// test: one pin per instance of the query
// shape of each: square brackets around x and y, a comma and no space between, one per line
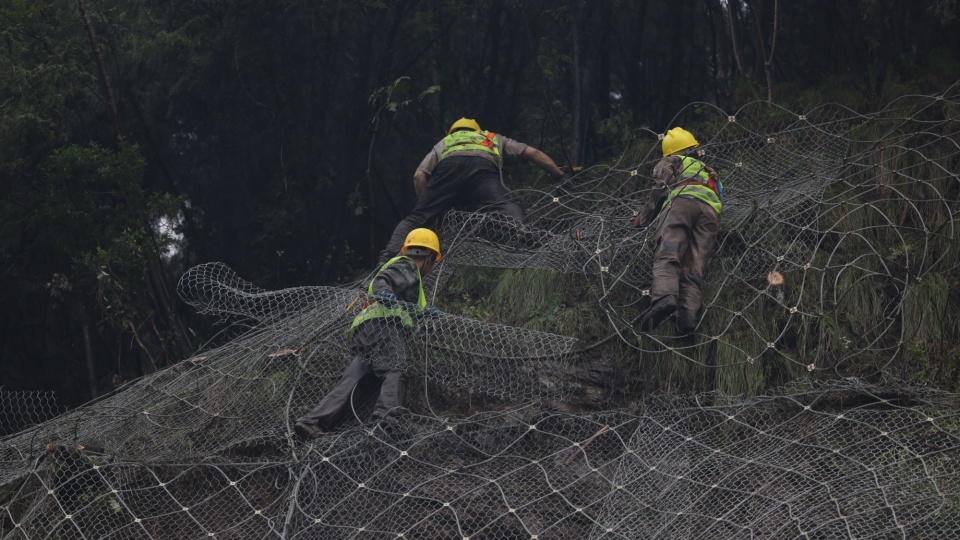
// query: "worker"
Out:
[465,169]
[378,335]
[686,197]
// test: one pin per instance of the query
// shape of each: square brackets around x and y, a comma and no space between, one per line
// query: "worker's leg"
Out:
[389,363]
[705,226]
[486,192]
[442,192]
[393,391]
[329,412]
[504,223]
[672,241]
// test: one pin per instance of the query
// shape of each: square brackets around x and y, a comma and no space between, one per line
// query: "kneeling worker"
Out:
[379,335]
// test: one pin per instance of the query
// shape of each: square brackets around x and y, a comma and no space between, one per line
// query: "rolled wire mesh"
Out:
[20,409]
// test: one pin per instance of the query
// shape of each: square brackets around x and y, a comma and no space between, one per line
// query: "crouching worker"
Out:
[378,335]
[686,198]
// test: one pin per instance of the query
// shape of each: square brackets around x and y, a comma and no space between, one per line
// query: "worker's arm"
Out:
[425,169]
[650,210]
[663,174]
[543,161]
[401,278]
[419,182]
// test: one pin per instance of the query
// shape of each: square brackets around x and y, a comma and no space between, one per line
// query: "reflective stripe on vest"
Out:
[377,310]
[694,179]
[459,141]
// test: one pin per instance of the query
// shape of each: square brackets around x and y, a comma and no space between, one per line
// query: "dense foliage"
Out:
[139,138]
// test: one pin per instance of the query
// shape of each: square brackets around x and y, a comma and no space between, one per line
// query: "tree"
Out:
[766,55]
[257,119]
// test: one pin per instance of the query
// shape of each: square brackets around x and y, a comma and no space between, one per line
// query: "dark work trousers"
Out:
[468,182]
[686,235]
[379,350]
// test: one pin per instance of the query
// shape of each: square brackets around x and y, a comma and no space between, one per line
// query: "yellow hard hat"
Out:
[678,139]
[422,238]
[464,123]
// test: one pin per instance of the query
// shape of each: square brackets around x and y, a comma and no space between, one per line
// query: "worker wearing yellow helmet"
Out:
[378,335]
[464,170]
[687,198]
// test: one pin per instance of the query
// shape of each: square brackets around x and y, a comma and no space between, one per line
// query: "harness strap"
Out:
[712,185]
[488,142]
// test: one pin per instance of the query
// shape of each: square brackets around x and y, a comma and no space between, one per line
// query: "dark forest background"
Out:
[280,137]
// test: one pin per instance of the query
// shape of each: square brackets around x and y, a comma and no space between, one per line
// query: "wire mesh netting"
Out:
[856,213]
[840,460]
[20,409]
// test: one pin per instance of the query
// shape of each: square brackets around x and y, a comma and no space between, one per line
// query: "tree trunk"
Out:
[768,60]
[159,285]
[603,23]
[88,349]
[633,94]
[371,198]
[766,57]
[577,89]
[433,101]
[492,58]
[734,18]
[717,14]
[594,94]
[101,68]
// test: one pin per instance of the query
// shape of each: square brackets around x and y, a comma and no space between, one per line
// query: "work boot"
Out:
[686,323]
[657,313]
[306,431]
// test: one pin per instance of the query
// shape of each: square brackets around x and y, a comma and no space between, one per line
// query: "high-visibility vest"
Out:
[459,141]
[376,310]
[695,181]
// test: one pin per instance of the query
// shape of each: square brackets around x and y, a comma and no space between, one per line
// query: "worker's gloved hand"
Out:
[431,312]
[386,299]
[567,173]
[638,222]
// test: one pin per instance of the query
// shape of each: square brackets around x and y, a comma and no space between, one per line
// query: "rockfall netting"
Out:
[839,460]
[855,214]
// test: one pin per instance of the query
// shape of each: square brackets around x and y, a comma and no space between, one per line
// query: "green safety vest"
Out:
[376,310]
[459,141]
[695,181]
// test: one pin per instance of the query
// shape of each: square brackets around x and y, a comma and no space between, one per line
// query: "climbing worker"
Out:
[378,335]
[465,169]
[686,196]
